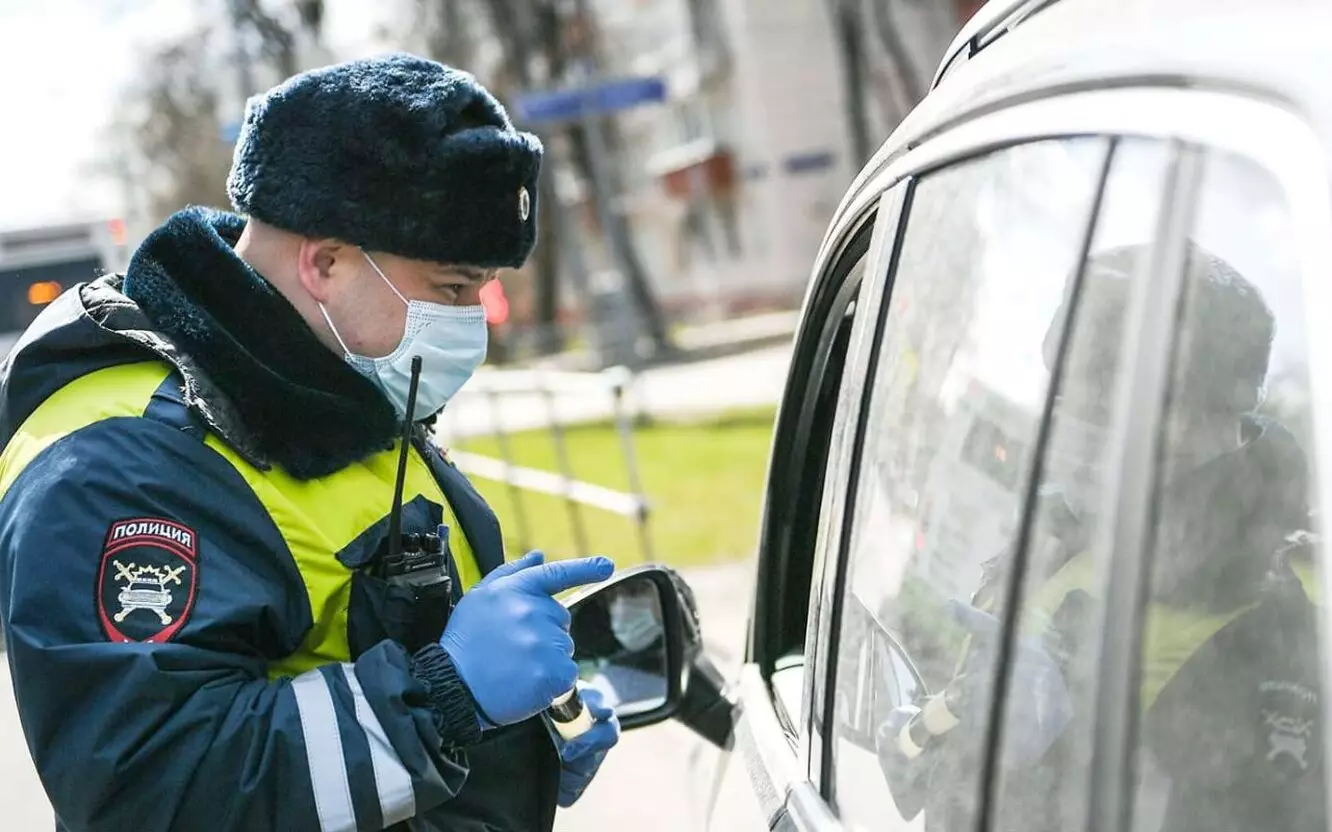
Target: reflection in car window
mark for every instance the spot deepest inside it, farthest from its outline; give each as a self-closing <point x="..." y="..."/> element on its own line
<point x="988" y="249"/>
<point x="1230" y="728"/>
<point x="1048" y="719"/>
<point x="993" y="452"/>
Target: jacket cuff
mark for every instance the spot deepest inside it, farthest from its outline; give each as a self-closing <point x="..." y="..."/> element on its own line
<point x="454" y="709"/>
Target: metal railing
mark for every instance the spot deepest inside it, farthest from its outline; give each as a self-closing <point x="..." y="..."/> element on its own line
<point x="589" y="395"/>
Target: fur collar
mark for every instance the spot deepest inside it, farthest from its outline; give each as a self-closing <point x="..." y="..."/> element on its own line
<point x="299" y="404"/>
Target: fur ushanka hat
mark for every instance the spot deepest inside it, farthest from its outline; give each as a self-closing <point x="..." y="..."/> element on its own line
<point x="396" y="154"/>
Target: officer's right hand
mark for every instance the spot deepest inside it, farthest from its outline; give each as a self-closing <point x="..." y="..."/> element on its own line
<point x="510" y="639"/>
<point x="1040" y="703"/>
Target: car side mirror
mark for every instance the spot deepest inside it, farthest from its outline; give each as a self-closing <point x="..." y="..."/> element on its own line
<point x="637" y="640"/>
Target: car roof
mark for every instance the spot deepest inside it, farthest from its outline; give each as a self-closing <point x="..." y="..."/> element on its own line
<point x="1276" y="50"/>
<point x="988" y="20"/>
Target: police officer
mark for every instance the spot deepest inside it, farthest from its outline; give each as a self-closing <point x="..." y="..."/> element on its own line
<point x="202" y="574"/>
<point x="1230" y="652"/>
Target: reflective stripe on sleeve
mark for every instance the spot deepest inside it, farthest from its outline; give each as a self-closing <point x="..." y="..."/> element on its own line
<point x="397" y="799"/>
<point x="323" y="753"/>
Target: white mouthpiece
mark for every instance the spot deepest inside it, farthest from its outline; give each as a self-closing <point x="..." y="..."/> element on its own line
<point x="575" y="726"/>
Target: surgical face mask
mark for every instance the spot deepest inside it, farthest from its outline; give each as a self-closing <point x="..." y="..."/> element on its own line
<point x="1076" y="464"/>
<point x="1074" y="461"/>
<point x="635" y="620"/>
<point x="451" y="341"/>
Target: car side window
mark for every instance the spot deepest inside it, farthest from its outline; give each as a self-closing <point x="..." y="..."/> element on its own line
<point x="1230" y="729"/>
<point x="1048" y="719"/>
<point x="954" y="411"/>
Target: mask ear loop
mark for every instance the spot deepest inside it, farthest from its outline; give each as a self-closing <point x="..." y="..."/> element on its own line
<point x="392" y="288"/>
<point x="384" y="277"/>
<point x="1261" y="397"/>
<point x="323" y="311"/>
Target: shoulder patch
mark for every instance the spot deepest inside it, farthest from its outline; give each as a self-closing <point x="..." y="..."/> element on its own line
<point x="147" y="581"/>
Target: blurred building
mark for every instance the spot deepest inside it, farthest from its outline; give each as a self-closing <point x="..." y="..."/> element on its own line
<point x="731" y="181"/>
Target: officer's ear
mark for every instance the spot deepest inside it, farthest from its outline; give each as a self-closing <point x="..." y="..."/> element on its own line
<point x="322" y="262"/>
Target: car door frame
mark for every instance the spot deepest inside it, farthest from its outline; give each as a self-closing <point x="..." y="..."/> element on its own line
<point x="1242" y="122"/>
<point x="766" y="736"/>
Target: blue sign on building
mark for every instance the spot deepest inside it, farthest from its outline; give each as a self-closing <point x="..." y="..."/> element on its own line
<point x="566" y="105"/>
<point x="229" y="132"/>
<point x="799" y="163"/>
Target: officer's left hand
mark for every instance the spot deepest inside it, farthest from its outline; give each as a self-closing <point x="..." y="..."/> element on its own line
<point x="581" y="757"/>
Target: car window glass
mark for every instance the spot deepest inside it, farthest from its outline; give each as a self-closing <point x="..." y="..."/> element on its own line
<point x="1230" y="721"/>
<point x="1048" y="716"/>
<point x="960" y="384"/>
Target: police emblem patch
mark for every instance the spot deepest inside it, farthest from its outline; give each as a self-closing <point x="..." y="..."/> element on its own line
<point x="147" y="581"/>
<point x="1289" y="714"/>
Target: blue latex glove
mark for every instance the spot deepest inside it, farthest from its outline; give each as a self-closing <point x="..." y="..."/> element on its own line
<point x="1039" y="705"/>
<point x="581" y="757"/>
<point x="510" y="639"/>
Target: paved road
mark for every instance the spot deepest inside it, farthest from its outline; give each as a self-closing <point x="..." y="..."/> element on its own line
<point x="21" y="794"/>
<point x="645" y="785"/>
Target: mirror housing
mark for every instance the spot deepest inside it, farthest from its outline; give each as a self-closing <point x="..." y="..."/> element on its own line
<point x="695" y="691"/>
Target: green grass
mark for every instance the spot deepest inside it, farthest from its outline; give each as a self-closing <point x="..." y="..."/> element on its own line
<point x="704" y="481"/>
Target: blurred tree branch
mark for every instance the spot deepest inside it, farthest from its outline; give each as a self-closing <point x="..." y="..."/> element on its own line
<point x="171" y="129"/>
<point x="848" y="27"/>
<point x="887" y="50"/>
<point x="277" y="40"/>
<point x="167" y="146"/>
<point x="705" y="23"/>
<point x="538" y="44"/>
<point x="447" y="36"/>
<point x="451" y="31"/>
<point x="585" y="43"/>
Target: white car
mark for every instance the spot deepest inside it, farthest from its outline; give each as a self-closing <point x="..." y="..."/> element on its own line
<point x="1117" y="218"/>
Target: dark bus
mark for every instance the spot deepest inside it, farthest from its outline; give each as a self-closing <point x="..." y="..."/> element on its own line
<point x="37" y="264"/>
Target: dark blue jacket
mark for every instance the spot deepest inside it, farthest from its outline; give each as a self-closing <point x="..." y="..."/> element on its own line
<point x="192" y="491"/>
